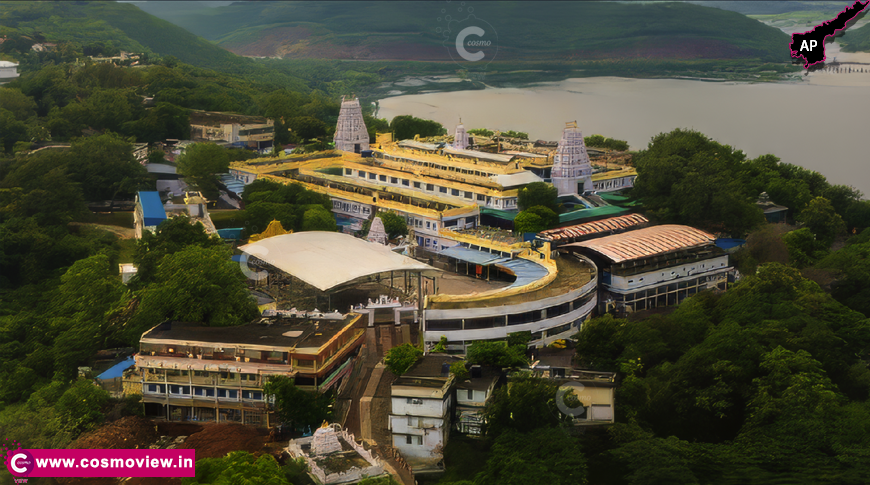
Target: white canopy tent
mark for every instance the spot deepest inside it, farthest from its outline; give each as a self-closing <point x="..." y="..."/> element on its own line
<point x="326" y="260"/>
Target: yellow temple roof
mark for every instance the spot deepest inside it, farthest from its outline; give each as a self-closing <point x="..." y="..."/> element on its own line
<point x="274" y="229"/>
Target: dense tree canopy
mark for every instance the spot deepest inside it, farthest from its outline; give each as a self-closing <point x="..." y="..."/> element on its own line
<point x="538" y="194"/>
<point x="497" y="354"/>
<point x="172" y="235"/>
<point x="287" y="203"/>
<point x="105" y="168"/>
<point x="535" y="219"/>
<point x="685" y="177"/>
<point x="296" y="406"/>
<point x="599" y="141"/>
<point x="238" y="468"/>
<point x="195" y="284"/>
<point x="405" y="127"/>
<point x="820" y="218"/>
<point x="200" y="163"/>
<point x="766" y="379"/>
<point x="543" y="455"/>
<point x="526" y="404"/>
<point x="394" y="224"/>
<point x="400" y="359"/>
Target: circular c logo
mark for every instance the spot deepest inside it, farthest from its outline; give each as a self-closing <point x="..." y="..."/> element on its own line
<point x="260" y="253"/>
<point x="569" y="399"/>
<point x="471" y="42"/>
<point x="460" y="43"/>
<point x="21" y="464"/>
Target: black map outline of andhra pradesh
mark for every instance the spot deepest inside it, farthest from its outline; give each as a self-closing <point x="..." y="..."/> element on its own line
<point x="810" y="45"/>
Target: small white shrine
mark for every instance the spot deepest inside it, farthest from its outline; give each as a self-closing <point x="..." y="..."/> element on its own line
<point x="460" y="140"/>
<point x="377" y="232"/>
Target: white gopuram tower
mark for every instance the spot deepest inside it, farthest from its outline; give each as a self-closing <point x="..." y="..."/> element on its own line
<point x="377" y="232"/>
<point x="571" y="163"/>
<point x="460" y="141"/>
<point x="350" y="132"/>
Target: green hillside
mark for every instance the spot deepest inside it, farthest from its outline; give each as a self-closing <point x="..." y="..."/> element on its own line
<point x="122" y="25"/>
<point x="856" y="40"/>
<point x="526" y="30"/>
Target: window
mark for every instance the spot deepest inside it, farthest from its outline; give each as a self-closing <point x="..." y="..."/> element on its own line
<point x="348" y="171"/>
<point x="444" y="324"/>
<point x="406" y="182"/>
<point x="417" y="185"/>
<point x="428" y="224"/>
<point x="408" y="439"/>
<point x="394" y="180"/>
<point x="362" y="174"/>
<point x="382" y="178"/>
<point x="372" y="176"/>
<point x="470" y="395"/>
<point x="443" y="190"/>
<point x="179" y="389"/>
<point x="481" y="197"/>
<point x="228" y="393"/>
<point x="203" y="391"/>
<point x="430" y="187"/>
<point x="454" y="192"/>
<point x="253" y="395"/>
<point x="468" y="195"/>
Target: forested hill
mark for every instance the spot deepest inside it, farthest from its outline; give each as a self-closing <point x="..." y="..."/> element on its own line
<point x="856" y="40"/>
<point x="526" y="30"/>
<point x="115" y="25"/>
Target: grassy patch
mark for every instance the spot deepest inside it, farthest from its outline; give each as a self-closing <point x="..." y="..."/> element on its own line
<point x="121" y="219"/>
<point x="126" y="249"/>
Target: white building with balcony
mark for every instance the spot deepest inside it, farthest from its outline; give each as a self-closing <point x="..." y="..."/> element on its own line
<point x="421" y="407"/>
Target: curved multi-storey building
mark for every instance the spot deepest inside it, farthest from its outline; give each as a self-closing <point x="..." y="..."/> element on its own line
<point x="551" y="296"/>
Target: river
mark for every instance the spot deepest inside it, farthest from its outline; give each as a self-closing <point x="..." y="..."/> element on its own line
<point x="820" y="123"/>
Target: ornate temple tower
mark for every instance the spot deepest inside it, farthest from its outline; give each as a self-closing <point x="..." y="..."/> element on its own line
<point x="350" y="132"/>
<point x="571" y="163"/>
<point x="460" y="141"/>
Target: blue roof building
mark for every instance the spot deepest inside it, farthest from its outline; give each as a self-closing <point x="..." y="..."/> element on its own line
<point x="149" y="212"/>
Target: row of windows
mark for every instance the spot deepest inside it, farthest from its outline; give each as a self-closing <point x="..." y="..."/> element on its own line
<point x="700" y="283"/>
<point x="429" y="243"/>
<point x="674" y="273"/>
<point x="512" y="319"/>
<point x="206" y="374"/>
<point x="203" y="392"/>
<point x="418" y="185"/>
<point x="436" y="166"/>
